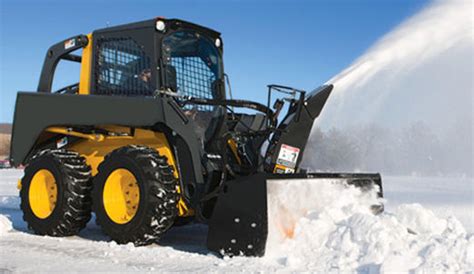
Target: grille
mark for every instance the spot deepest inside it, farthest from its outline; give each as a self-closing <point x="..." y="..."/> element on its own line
<point x="122" y="68"/>
<point x="194" y="78"/>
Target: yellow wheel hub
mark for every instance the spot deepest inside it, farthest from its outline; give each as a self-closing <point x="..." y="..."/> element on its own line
<point x="121" y="196"/>
<point x="43" y="193"/>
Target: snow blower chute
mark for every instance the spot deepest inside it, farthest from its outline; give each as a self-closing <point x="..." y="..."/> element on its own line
<point x="147" y="139"/>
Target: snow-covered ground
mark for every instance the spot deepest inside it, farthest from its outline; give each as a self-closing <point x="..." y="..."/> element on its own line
<point x="446" y="196"/>
<point x="333" y="235"/>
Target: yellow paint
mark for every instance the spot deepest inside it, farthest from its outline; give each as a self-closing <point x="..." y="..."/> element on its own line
<point x="86" y="65"/>
<point x="121" y="196"/>
<point x="66" y="131"/>
<point x="233" y="147"/>
<point x="95" y="149"/>
<point x="278" y="166"/>
<point x="42" y="193"/>
<point x="183" y="209"/>
<point x="18" y="184"/>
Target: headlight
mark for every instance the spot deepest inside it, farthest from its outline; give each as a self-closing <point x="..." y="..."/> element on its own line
<point x="160" y="26"/>
<point x="218" y="42"/>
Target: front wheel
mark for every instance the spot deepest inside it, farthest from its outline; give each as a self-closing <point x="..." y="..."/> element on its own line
<point x="134" y="195"/>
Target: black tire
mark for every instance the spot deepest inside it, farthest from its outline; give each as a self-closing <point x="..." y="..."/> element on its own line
<point x="157" y="206"/>
<point x="72" y="176"/>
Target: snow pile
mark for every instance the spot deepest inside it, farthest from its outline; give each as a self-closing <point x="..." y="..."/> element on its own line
<point x="5" y="225"/>
<point x="334" y="230"/>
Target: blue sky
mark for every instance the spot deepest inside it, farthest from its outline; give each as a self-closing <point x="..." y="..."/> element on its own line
<point x="296" y="43"/>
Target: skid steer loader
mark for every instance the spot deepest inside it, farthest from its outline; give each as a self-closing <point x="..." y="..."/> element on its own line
<point x="147" y="139"/>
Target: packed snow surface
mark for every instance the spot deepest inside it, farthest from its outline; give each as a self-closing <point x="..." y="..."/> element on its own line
<point x="5" y="225"/>
<point x="332" y="229"/>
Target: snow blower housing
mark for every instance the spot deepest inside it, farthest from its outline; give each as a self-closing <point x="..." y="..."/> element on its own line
<point x="147" y="139"/>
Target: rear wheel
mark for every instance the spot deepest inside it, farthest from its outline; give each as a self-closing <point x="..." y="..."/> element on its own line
<point x="55" y="193"/>
<point x="134" y="195"/>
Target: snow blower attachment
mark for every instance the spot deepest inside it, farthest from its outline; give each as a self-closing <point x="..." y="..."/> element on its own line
<point x="252" y="210"/>
<point x="147" y="139"/>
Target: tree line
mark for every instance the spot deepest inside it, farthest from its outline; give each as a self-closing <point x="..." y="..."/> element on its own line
<point x="412" y="150"/>
<point x="4" y="145"/>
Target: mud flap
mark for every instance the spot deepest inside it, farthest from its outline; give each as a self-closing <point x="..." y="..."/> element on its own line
<point x="239" y="224"/>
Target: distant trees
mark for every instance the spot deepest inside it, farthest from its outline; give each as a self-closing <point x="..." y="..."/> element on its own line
<point x="4" y="144"/>
<point x="332" y="150"/>
<point x="415" y="149"/>
<point x="458" y="147"/>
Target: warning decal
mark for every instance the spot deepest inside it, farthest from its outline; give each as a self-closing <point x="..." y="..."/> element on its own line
<point x="69" y="43"/>
<point x="61" y="142"/>
<point x="288" y="156"/>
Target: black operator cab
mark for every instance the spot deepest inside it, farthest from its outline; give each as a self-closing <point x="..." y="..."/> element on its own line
<point x="163" y="56"/>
